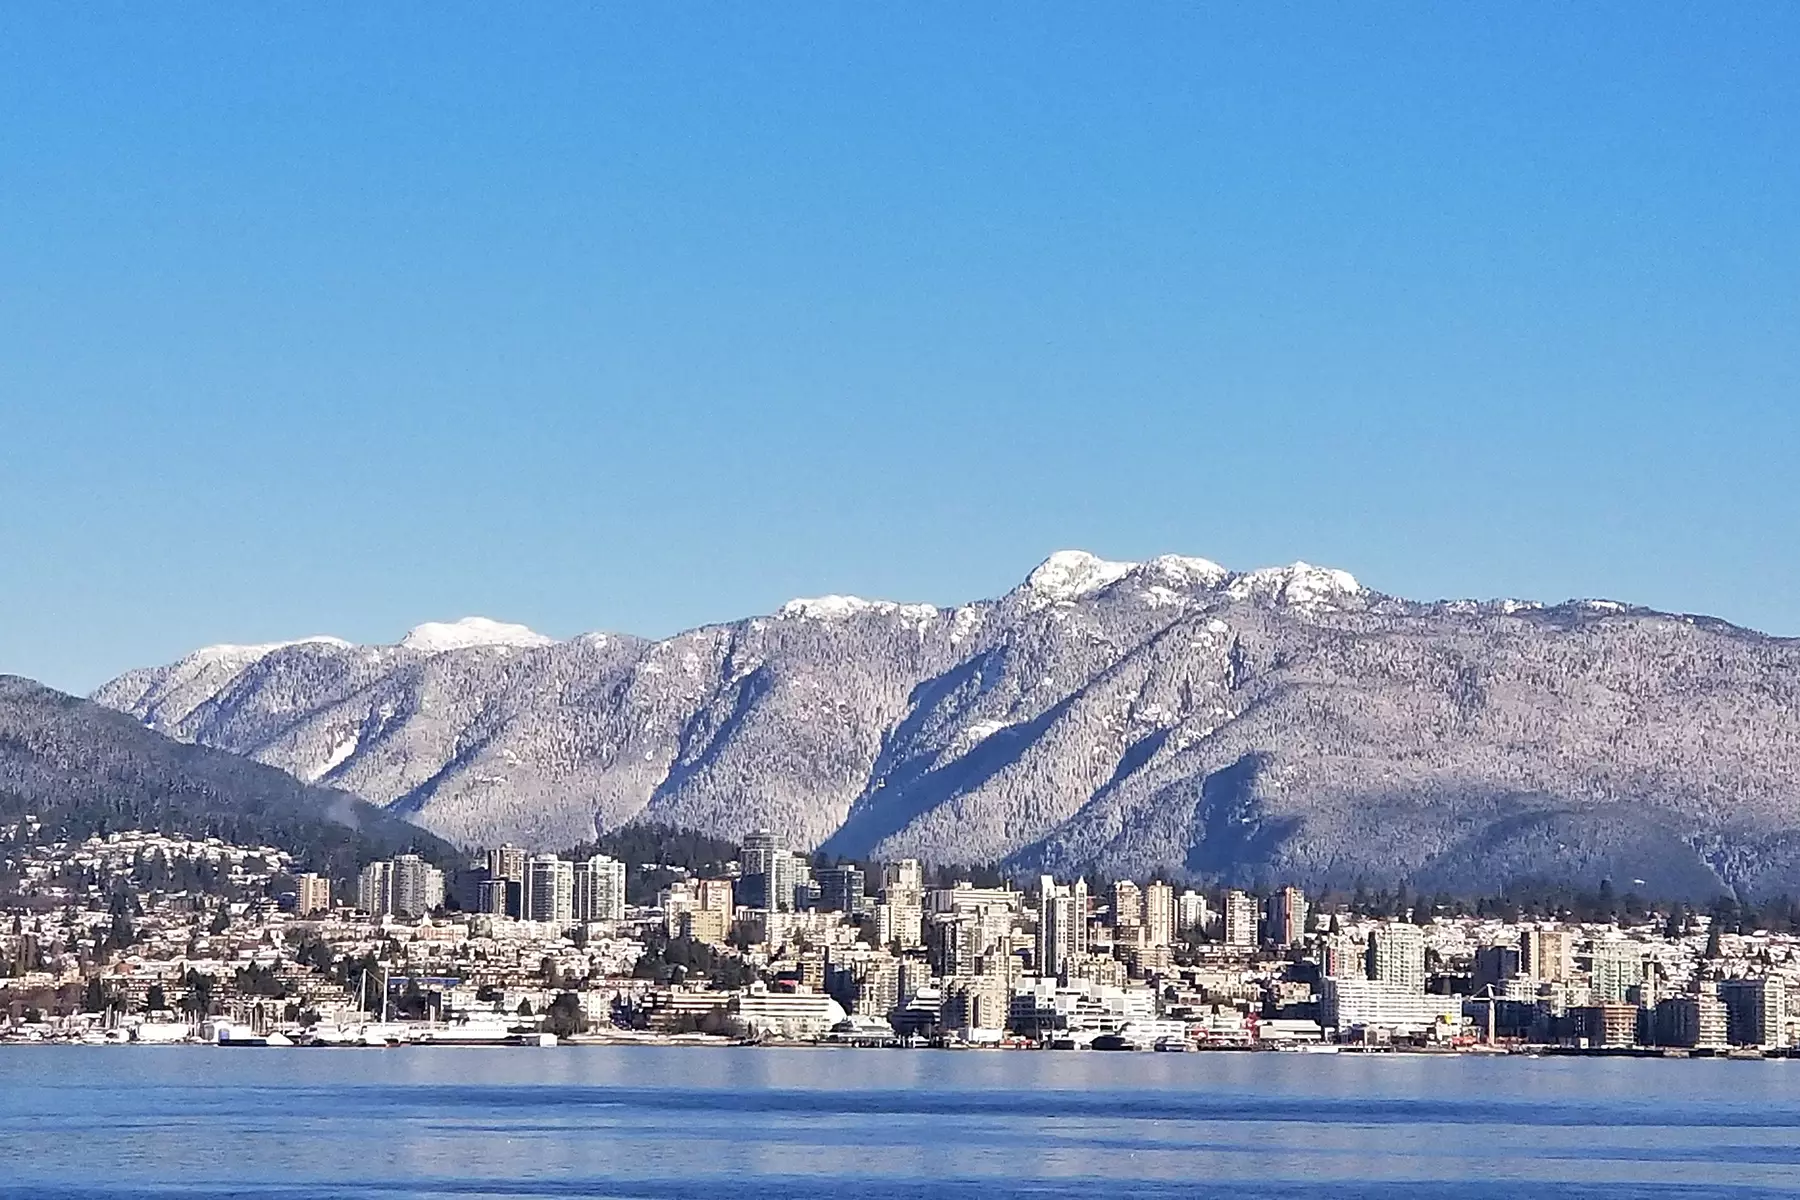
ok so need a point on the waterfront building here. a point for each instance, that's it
(1240, 919)
(975, 1010)
(759, 1012)
(1755, 1011)
(1694, 1020)
(1605, 1026)
(312, 894)
(865, 982)
(1396, 956)
(597, 889)
(1287, 918)
(1350, 1003)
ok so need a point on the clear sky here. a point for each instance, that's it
(321, 319)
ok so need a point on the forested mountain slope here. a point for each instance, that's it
(81, 769)
(1276, 725)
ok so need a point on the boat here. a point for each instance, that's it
(479, 1029)
(1173, 1045)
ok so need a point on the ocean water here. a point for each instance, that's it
(670, 1123)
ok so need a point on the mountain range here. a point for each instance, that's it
(1278, 725)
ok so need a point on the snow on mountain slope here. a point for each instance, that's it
(1285, 723)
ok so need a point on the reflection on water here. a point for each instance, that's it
(678, 1122)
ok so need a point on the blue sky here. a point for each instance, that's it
(318, 319)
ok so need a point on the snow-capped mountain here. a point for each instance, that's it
(1278, 724)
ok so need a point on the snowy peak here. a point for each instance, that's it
(838, 608)
(1301, 585)
(1069, 575)
(1176, 570)
(244, 656)
(437, 637)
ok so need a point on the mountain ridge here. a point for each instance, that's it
(1165, 715)
(81, 769)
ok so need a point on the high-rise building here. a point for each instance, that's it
(769, 872)
(1159, 913)
(840, 888)
(1695, 1020)
(1545, 955)
(1190, 914)
(1342, 957)
(312, 893)
(502, 891)
(1062, 936)
(374, 890)
(597, 889)
(1055, 912)
(1127, 904)
(714, 895)
(549, 890)
(1287, 918)
(1618, 967)
(506, 862)
(1397, 956)
(1755, 1011)
(404, 886)
(1240, 919)
(1494, 965)
(904, 878)
(496, 896)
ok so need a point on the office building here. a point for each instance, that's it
(1350, 1003)
(1240, 919)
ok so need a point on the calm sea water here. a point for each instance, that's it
(667, 1123)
